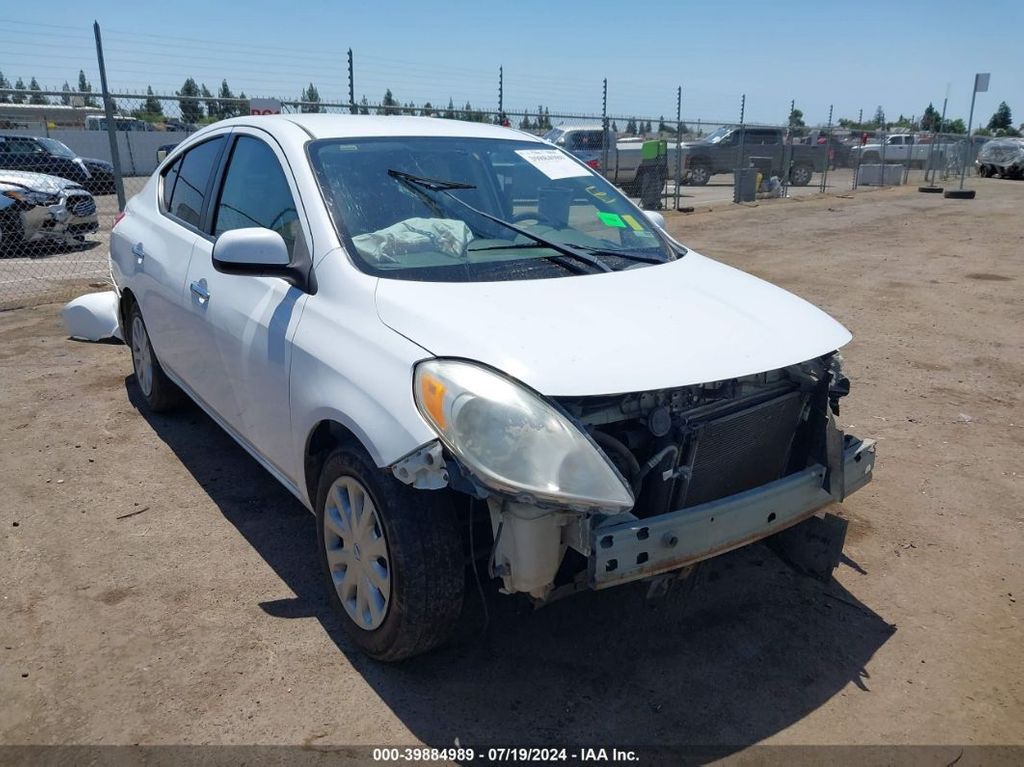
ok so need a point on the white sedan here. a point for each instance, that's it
(455, 342)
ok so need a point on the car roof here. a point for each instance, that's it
(320, 126)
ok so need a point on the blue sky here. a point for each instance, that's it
(856, 55)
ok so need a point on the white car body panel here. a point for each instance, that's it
(92, 317)
(270, 362)
(690, 321)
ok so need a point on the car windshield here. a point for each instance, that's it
(468, 210)
(56, 148)
(715, 136)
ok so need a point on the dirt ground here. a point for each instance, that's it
(159, 587)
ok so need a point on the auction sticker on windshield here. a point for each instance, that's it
(552, 163)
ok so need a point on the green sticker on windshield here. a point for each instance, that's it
(611, 219)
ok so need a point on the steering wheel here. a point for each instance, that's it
(529, 217)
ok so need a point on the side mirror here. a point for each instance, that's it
(655, 218)
(258, 252)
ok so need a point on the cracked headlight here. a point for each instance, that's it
(30, 197)
(513, 440)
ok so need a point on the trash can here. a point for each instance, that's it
(745, 185)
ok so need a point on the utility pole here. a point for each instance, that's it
(108, 110)
(351, 84)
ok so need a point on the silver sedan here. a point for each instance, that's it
(35, 207)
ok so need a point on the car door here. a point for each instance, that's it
(242, 325)
(153, 246)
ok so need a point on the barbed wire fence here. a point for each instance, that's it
(71, 157)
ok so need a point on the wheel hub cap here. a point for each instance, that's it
(357, 553)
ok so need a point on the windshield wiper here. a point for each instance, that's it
(446, 187)
(626, 254)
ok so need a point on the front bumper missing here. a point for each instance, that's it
(621, 552)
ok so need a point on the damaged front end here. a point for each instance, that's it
(708, 468)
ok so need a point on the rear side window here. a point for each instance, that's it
(256, 193)
(186, 182)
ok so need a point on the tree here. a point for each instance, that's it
(449, 112)
(4, 84)
(37, 97)
(228, 108)
(1001, 120)
(212, 107)
(389, 106)
(364, 106)
(428, 110)
(188, 102)
(879, 120)
(930, 119)
(631, 126)
(796, 120)
(525, 123)
(662, 128)
(648, 128)
(152, 104)
(954, 126)
(65, 95)
(311, 95)
(18, 98)
(84, 86)
(615, 127)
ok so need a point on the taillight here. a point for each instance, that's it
(595, 164)
(117, 218)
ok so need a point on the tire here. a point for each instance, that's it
(159, 391)
(410, 547)
(959, 194)
(930, 189)
(800, 175)
(983, 171)
(700, 173)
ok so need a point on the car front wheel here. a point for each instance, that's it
(392, 557)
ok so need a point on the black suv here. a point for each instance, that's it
(47, 155)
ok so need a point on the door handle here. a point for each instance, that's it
(138, 251)
(199, 291)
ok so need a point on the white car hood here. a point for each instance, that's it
(37, 182)
(690, 321)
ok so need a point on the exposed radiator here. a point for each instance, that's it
(742, 450)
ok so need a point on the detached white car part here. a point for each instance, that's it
(417, 325)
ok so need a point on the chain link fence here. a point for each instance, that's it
(69, 158)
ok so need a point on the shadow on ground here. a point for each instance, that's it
(752, 650)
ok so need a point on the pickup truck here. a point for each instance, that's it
(900, 148)
(587, 142)
(719, 152)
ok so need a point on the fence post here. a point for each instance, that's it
(828, 150)
(108, 109)
(679, 141)
(501, 94)
(739, 149)
(351, 85)
(604, 127)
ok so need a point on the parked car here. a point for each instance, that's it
(38, 208)
(719, 152)
(447, 338)
(902, 149)
(1001, 157)
(41, 154)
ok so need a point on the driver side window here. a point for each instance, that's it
(256, 193)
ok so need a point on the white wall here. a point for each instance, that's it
(137, 149)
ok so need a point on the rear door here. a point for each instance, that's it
(242, 325)
(153, 245)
